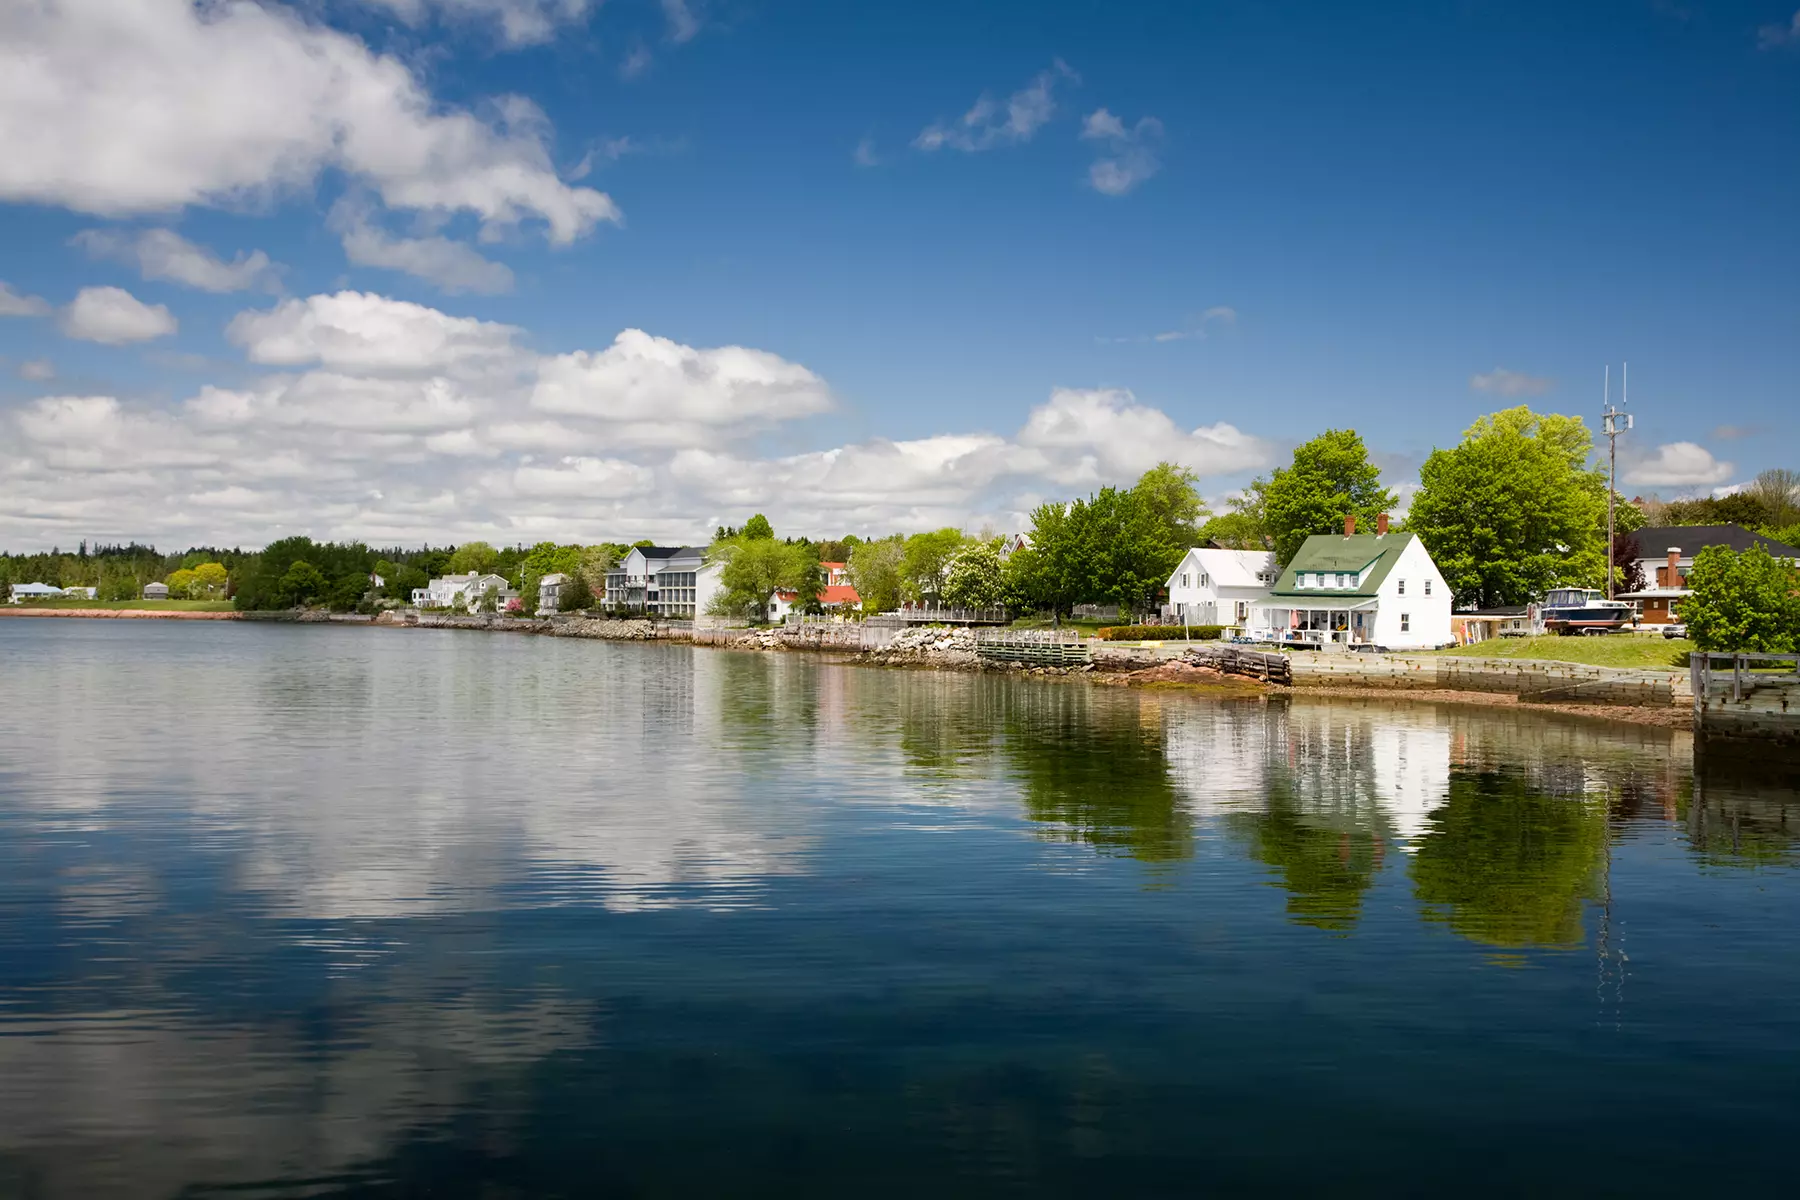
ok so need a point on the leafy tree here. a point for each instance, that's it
(976, 578)
(1789, 536)
(926, 559)
(575, 595)
(1239, 529)
(757, 528)
(547, 558)
(477, 557)
(1514, 509)
(875, 571)
(1742, 601)
(181, 585)
(210, 578)
(403, 579)
(1628, 567)
(1330, 477)
(756, 568)
(1054, 572)
(347, 592)
(836, 551)
(302, 583)
(1740, 508)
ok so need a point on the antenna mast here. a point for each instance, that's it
(1613, 422)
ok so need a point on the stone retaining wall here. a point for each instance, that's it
(1530, 680)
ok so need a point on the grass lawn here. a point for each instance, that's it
(153, 605)
(1613, 650)
(1087, 628)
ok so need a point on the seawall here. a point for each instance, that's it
(1531, 680)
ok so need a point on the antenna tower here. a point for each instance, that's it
(1613, 422)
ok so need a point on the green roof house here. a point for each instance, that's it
(1351, 589)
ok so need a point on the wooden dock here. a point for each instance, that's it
(1746, 695)
(1034, 647)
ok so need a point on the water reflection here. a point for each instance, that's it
(448, 911)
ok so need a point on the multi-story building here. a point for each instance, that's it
(1665, 555)
(662, 581)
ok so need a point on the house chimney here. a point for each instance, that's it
(1672, 577)
(1349, 524)
(1381, 525)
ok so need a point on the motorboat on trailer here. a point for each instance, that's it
(1581, 610)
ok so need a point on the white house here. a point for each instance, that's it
(460, 591)
(33, 591)
(1219, 587)
(662, 581)
(1350, 589)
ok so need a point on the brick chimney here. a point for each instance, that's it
(1349, 524)
(1381, 525)
(1671, 575)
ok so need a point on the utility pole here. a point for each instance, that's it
(1612, 425)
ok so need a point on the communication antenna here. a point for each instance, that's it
(1613, 422)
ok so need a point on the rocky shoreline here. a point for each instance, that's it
(923, 648)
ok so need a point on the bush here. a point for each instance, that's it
(1160, 633)
(1742, 601)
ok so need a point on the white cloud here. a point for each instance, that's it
(1501, 382)
(1771, 37)
(989, 124)
(1194, 328)
(129, 106)
(864, 154)
(113, 316)
(398, 422)
(451, 265)
(1679, 464)
(658, 390)
(15, 304)
(683, 24)
(521, 22)
(37, 369)
(1133, 151)
(165, 254)
(1105, 436)
(360, 331)
(636, 63)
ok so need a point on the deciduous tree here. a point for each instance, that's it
(1330, 477)
(976, 578)
(927, 558)
(1514, 509)
(1742, 601)
(875, 572)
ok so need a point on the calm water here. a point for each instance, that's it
(311, 911)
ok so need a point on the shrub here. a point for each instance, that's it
(1160, 633)
(1741, 601)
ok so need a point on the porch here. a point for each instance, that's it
(1340, 625)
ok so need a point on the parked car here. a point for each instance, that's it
(1674, 631)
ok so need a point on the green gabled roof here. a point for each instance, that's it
(1374, 556)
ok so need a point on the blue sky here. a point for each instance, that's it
(970, 256)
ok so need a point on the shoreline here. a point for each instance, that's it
(1170, 675)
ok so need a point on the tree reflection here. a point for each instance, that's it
(1743, 811)
(1325, 866)
(1092, 763)
(1508, 865)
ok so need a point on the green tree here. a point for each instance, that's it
(1514, 510)
(1055, 571)
(756, 568)
(1742, 601)
(210, 578)
(575, 595)
(1331, 477)
(1239, 529)
(926, 559)
(181, 585)
(757, 529)
(302, 583)
(875, 573)
(476, 557)
(976, 578)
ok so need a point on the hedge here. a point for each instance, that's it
(1160, 633)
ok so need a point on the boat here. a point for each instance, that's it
(1578, 610)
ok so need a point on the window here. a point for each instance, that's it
(1428, 587)
(1243, 610)
(1405, 622)
(1340, 580)
(1402, 588)
(1184, 579)
(1205, 580)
